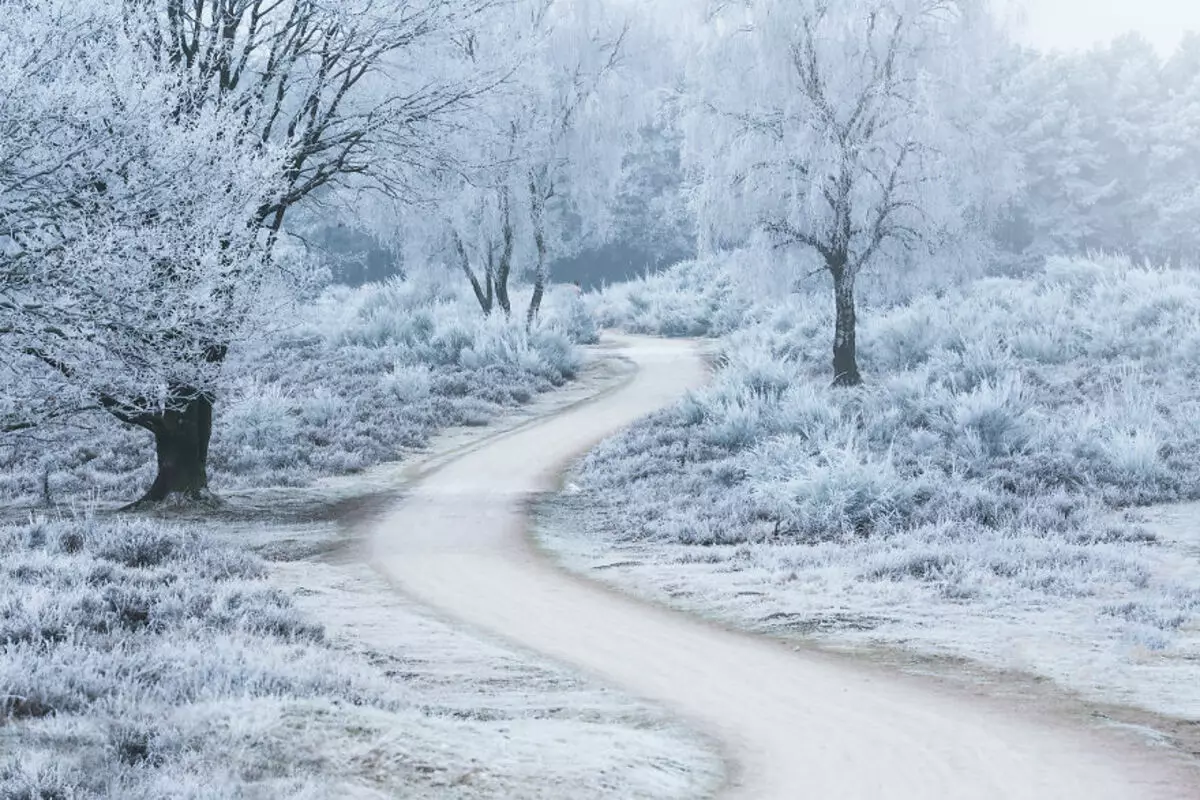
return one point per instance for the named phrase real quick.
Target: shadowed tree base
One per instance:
(847, 378)
(181, 439)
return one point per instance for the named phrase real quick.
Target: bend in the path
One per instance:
(796, 725)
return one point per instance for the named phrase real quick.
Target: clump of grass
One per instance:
(113, 633)
(694, 298)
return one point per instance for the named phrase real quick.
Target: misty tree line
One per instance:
(161, 162)
(1109, 148)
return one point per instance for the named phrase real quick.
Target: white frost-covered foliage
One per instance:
(693, 298)
(362, 375)
(124, 245)
(537, 159)
(150, 154)
(1076, 382)
(145, 661)
(976, 469)
(130, 655)
(843, 127)
(725, 292)
(1110, 159)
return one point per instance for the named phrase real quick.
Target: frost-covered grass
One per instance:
(960, 502)
(354, 379)
(146, 661)
(694, 298)
(140, 661)
(718, 294)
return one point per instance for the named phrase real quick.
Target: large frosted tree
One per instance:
(1084, 125)
(1109, 151)
(153, 150)
(126, 243)
(838, 127)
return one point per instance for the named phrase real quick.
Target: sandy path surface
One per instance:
(793, 724)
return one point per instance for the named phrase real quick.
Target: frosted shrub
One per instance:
(141, 546)
(409, 383)
(705, 297)
(735, 415)
(322, 408)
(448, 341)
(978, 362)
(566, 310)
(1134, 454)
(382, 326)
(1082, 275)
(557, 354)
(828, 488)
(808, 411)
(993, 420)
(907, 337)
(260, 417)
(129, 651)
(797, 329)
(760, 372)
(738, 425)
(546, 352)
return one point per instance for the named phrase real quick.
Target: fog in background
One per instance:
(1080, 24)
(1099, 107)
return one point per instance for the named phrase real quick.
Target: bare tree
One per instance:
(842, 148)
(496, 254)
(593, 61)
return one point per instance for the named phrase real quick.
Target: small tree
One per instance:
(489, 216)
(536, 162)
(830, 126)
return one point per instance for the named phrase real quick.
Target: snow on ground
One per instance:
(158, 657)
(538, 730)
(960, 506)
(796, 591)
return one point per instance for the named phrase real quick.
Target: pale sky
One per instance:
(1078, 24)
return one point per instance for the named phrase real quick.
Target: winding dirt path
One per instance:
(793, 724)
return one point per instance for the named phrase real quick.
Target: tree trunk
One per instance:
(500, 277)
(181, 438)
(539, 276)
(483, 296)
(845, 355)
(535, 302)
(539, 193)
(504, 268)
(502, 290)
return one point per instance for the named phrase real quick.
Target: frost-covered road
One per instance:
(793, 724)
